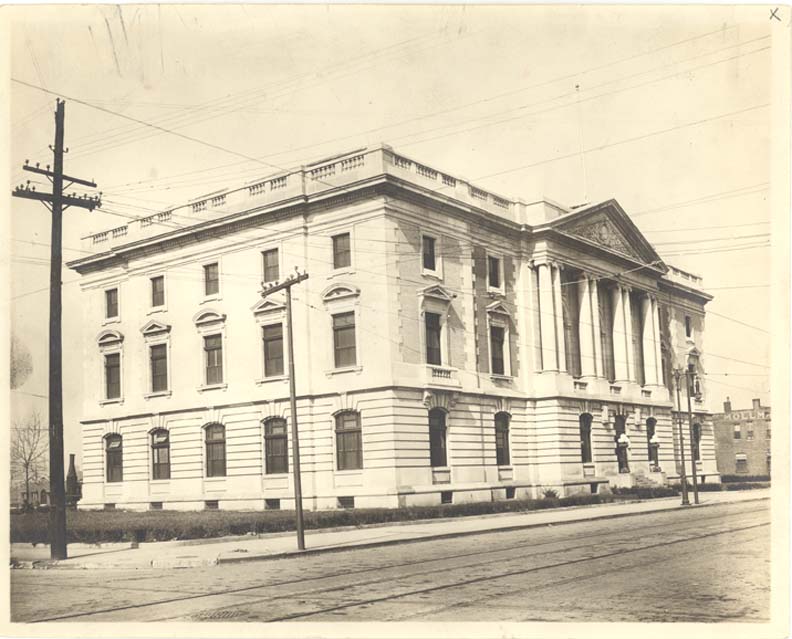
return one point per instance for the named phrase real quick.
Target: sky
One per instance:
(666, 109)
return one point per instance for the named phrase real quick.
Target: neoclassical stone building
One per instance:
(450, 345)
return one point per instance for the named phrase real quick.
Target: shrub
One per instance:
(747, 485)
(726, 479)
(549, 493)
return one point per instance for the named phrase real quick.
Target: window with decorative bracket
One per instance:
(110, 346)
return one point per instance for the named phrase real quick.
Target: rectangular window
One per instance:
(429, 258)
(344, 339)
(159, 367)
(605, 298)
(688, 327)
(273, 350)
(496, 348)
(113, 376)
(750, 433)
(433, 351)
(493, 272)
(211, 279)
(741, 463)
(636, 318)
(276, 447)
(213, 347)
(158, 290)
(737, 431)
(570, 315)
(111, 303)
(271, 265)
(342, 255)
(349, 442)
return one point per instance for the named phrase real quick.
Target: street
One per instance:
(709, 564)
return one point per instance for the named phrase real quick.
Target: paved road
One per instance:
(709, 564)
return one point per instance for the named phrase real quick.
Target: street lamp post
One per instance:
(682, 474)
(689, 380)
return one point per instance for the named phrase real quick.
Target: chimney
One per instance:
(756, 404)
(727, 405)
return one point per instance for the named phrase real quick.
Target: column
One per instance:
(619, 336)
(546, 319)
(588, 355)
(559, 317)
(650, 363)
(628, 334)
(599, 367)
(657, 341)
(530, 335)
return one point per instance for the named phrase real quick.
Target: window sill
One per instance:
(349, 471)
(214, 480)
(211, 387)
(274, 378)
(276, 475)
(157, 309)
(344, 270)
(159, 482)
(211, 298)
(111, 320)
(115, 400)
(345, 369)
(166, 393)
(505, 467)
(501, 378)
(435, 275)
(496, 292)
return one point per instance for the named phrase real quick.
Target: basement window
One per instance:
(155, 505)
(272, 504)
(346, 502)
(211, 504)
(446, 497)
(109, 507)
(510, 490)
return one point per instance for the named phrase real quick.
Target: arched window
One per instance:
(651, 443)
(349, 441)
(276, 448)
(114, 457)
(695, 443)
(437, 437)
(585, 437)
(620, 427)
(215, 450)
(160, 454)
(502, 439)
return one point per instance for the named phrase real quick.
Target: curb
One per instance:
(195, 562)
(451, 535)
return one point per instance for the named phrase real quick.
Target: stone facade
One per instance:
(742, 440)
(499, 348)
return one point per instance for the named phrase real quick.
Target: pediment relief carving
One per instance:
(108, 338)
(498, 308)
(268, 306)
(601, 230)
(208, 317)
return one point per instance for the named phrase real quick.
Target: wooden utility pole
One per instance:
(682, 474)
(56, 202)
(689, 380)
(269, 290)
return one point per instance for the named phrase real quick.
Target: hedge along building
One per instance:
(450, 345)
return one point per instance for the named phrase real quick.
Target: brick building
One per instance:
(451, 345)
(742, 440)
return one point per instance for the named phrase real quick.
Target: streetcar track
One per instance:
(235, 591)
(511, 573)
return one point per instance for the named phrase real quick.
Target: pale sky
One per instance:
(669, 104)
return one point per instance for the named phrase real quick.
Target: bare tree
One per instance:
(21, 362)
(28, 450)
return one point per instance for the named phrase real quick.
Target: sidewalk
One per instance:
(191, 553)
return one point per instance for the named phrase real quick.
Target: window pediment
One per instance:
(109, 338)
(267, 306)
(438, 293)
(208, 317)
(155, 328)
(498, 308)
(339, 292)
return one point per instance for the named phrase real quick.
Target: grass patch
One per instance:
(647, 492)
(115, 526)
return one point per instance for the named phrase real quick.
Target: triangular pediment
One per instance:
(154, 327)
(498, 308)
(608, 227)
(268, 306)
(437, 292)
